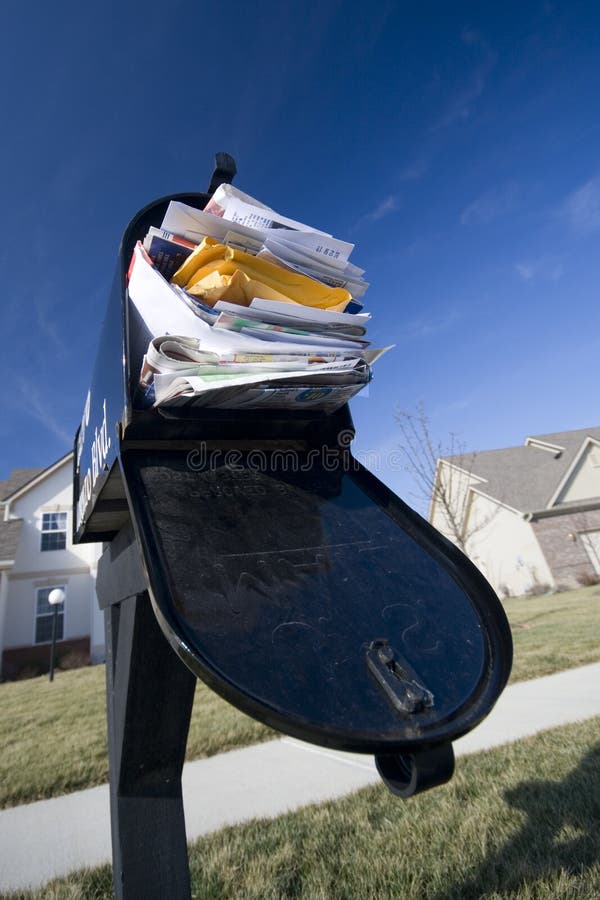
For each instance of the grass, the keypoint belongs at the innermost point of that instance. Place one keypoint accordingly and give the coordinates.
(518, 822)
(554, 632)
(65, 721)
(43, 722)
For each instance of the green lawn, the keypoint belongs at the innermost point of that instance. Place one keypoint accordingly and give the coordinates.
(518, 822)
(554, 632)
(65, 720)
(53, 735)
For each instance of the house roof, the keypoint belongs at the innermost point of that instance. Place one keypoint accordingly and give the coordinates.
(9, 538)
(21, 480)
(17, 479)
(526, 478)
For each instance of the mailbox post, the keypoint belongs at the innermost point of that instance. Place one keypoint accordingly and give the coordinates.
(149, 702)
(250, 549)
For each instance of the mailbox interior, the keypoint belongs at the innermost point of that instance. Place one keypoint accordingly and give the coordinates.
(114, 417)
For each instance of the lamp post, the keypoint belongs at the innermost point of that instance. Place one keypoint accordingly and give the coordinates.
(55, 598)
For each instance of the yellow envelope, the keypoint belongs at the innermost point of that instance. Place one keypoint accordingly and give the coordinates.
(198, 257)
(216, 272)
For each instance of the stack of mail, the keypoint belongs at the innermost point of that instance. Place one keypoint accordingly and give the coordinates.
(247, 320)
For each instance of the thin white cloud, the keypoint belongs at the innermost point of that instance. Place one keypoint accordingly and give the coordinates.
(426, 327)
(414, 171)
(491, 204)
(582, 207)
(525, 270)
(386, 207)
(544, 268)
(461, 104)
(49, 329)
(36, 405)
(457, 406)
(471, 36)
(374, 25)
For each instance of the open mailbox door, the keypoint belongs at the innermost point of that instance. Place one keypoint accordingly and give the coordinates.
(283, 574)
(302, 590)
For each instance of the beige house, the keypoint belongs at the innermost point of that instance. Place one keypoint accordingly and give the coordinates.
(37, 555)
(528, 516)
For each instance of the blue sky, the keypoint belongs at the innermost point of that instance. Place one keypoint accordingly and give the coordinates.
(455, 144)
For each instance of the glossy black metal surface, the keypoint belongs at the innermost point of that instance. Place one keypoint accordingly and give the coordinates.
(413, 773)
(272, 575)
(108, 406)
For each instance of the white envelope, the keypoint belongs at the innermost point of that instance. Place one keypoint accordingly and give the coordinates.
(165, 313)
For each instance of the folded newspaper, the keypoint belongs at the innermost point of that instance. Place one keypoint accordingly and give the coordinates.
(248, 308)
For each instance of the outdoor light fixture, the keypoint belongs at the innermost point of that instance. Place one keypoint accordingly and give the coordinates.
(55, 598)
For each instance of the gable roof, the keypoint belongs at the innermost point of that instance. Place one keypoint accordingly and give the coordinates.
(526, 478)
(17, 479)
(21, 480)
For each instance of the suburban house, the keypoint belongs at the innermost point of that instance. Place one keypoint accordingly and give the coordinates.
(37, 555)
(528, 516)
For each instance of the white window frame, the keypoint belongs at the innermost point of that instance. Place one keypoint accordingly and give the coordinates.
(61, 613)
(50, 530)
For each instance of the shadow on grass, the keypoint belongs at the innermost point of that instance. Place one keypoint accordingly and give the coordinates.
(560, 834)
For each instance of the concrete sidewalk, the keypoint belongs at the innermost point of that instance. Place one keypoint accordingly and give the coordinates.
(54, 837)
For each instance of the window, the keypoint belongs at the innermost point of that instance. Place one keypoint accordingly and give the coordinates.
(44, 613)
(54, 531)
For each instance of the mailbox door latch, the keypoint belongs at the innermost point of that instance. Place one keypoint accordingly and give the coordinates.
(398, 679)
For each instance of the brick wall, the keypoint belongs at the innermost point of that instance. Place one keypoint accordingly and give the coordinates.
(33, 660)
(566, 557)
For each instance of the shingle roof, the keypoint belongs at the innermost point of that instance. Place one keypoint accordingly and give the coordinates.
(526, 477)
(10, 531)
(9, 538)
(18, 478)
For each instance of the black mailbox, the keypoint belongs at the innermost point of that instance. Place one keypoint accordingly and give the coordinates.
(282, 573)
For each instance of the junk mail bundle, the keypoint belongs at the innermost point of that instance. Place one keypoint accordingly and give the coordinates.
(248, 309)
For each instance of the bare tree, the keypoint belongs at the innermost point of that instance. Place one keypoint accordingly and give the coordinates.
(448, 488)
(583, 525)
